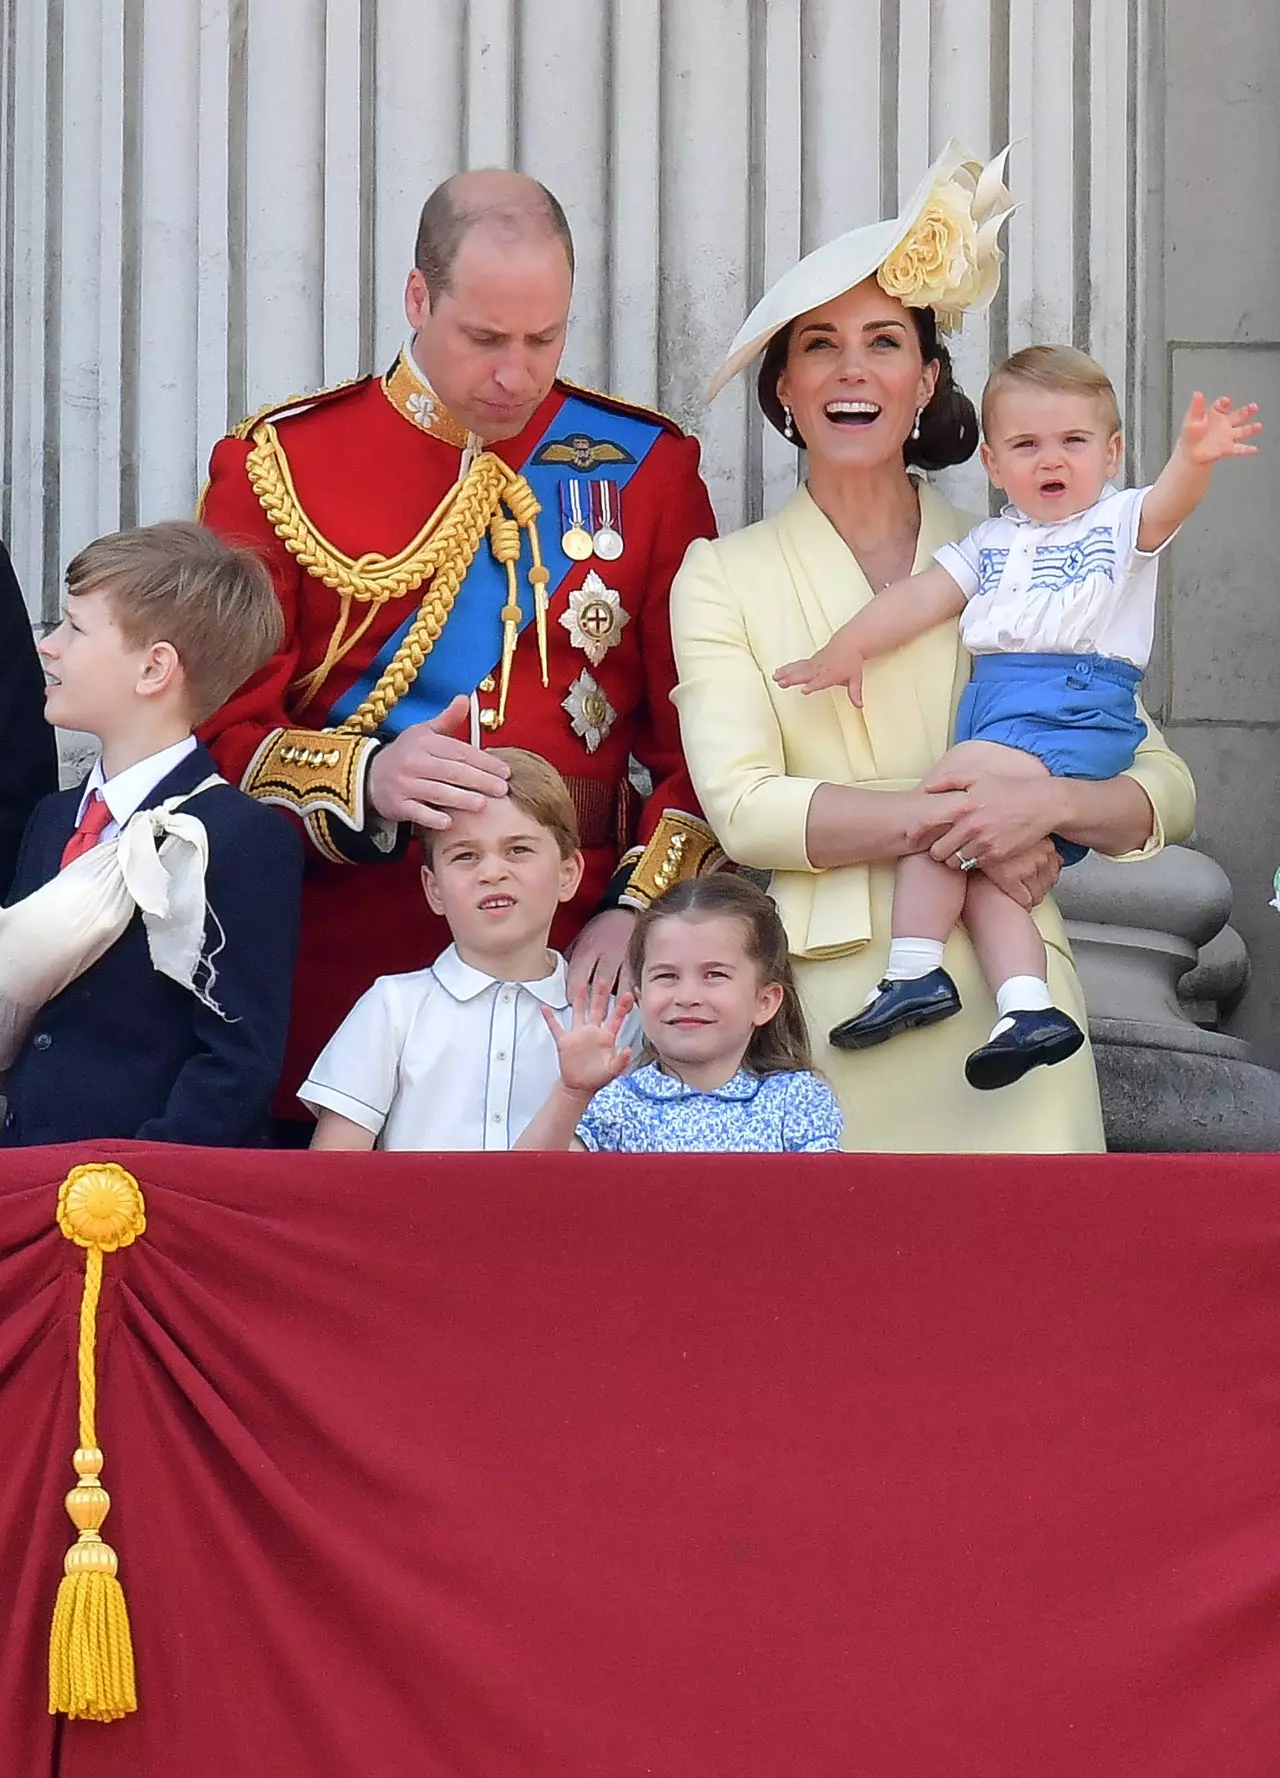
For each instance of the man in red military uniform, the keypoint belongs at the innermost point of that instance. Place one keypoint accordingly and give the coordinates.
(468, 552)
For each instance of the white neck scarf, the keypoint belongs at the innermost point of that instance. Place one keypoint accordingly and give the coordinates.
(156, 865)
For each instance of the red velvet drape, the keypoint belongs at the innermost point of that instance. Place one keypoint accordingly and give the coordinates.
(505, 1467)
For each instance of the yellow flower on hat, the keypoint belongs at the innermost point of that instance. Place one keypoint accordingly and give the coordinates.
(937, 256)
(950, 259)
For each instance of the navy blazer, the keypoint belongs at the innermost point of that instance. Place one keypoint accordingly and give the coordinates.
(124, 1051)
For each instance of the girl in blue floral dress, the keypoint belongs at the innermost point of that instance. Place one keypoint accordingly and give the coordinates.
(725, 1064)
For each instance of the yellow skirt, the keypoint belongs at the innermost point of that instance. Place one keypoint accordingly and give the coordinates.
(910, 1096)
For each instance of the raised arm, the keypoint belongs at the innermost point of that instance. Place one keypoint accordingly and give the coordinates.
(1208, 434)
(589, 1058)
(903, 611)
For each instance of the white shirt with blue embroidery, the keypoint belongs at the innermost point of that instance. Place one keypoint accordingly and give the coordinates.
(442, 1058)
(1079, 586)
(651, 1112)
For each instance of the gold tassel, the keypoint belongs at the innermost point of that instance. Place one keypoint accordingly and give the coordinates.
(523, 504)
(504, 541)
(91, 1674)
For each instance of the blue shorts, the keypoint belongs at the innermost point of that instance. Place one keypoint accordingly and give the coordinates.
(1076, 713)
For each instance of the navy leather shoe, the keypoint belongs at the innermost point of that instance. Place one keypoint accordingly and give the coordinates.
(1034, 1040)
(899, 1006)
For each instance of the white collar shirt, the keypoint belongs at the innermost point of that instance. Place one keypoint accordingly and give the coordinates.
(1078, 586)
(443, 1058)
(125, 793)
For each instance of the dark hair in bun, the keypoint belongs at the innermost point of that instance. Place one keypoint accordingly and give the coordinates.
(948, 426)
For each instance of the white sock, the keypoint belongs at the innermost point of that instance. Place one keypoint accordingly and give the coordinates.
(1021, 993)
(910, 958)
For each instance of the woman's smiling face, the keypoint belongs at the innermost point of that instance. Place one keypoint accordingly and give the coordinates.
(854, 377)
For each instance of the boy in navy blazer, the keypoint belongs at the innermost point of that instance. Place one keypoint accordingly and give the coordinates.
(162, 625)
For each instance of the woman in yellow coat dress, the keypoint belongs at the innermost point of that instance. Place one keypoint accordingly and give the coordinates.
(826, 796)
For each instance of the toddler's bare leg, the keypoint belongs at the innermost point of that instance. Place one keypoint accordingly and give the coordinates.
(986, 756)
(1004, 935)
(1030, 1031)
(928, 898)
(1008, 943)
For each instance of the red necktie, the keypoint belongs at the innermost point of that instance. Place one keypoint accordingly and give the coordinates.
(86, 836)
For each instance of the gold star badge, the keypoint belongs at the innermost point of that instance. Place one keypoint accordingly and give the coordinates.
(590, 712)
(595, 618)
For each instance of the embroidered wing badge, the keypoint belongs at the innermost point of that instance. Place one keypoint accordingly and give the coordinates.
(578, 452)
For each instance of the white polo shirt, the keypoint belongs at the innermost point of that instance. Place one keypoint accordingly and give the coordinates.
(443, 1058)
(1080, 586)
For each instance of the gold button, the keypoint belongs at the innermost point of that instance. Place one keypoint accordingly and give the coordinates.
(489, 719)
(487, 683)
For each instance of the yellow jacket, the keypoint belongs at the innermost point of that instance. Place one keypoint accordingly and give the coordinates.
(774, 592)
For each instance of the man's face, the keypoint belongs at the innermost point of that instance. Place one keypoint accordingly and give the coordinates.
(491, 344)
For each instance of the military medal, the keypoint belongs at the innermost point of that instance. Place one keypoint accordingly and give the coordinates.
(575, 539)
(606, 502)
(595, 618)
(590, 712)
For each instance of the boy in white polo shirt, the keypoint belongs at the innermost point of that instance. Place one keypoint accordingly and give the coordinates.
(458, 1056)
(1056, 599)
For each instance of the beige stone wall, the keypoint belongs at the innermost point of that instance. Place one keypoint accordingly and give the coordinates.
(1213, 288)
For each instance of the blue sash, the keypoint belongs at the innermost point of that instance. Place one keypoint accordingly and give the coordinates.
(470, 645)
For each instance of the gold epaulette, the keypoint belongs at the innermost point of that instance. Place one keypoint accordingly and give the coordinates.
(616, 405)
(681, 847)
(316, 774)
(296, 404)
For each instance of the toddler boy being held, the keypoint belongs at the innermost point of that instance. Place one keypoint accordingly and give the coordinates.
(1056, 600)
(146, 955)
(458, 1056)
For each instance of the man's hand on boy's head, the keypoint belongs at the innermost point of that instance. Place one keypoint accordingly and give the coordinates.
(424, 772)
(1211, 432)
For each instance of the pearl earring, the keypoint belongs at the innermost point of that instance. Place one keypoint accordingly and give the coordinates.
(788, 429)
(915, 430)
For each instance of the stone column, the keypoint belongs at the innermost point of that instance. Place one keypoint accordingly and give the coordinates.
(1159, 961)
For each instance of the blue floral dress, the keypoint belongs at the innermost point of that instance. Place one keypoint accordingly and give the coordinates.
(650, 1112)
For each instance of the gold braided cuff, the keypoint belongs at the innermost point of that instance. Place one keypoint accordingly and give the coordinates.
(316, 774)
(681, 847)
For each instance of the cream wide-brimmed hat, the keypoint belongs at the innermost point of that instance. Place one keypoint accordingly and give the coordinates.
(941, 252)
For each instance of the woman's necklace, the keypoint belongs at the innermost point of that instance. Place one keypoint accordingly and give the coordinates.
(883, 566)
(891, 557)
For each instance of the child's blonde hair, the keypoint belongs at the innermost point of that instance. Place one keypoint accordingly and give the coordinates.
(538, 791)
(1061, 369)
(178, 583)
(781, 1046)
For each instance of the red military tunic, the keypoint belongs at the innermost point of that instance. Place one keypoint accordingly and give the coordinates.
(367, 466)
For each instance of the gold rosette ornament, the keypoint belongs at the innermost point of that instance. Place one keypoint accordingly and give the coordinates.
(91, 1674)
(950, 258)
